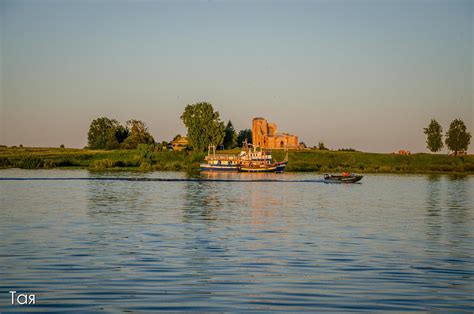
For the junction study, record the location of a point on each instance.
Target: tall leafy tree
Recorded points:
(230, 138)
(457, 137)
(138, 134)
(204, 125)
(243, 135)
(434, 136)
(102, 134)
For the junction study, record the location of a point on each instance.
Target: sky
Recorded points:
(369, 75)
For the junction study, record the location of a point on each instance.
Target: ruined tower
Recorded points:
(265, 135)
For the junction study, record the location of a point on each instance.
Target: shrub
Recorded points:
(5, 162)
(67, 163)
(145, 166)
(469, 167)
(145, 153)
(48, 163)
(103, 163)
(29, 163)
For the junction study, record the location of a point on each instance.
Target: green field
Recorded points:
(145, 159)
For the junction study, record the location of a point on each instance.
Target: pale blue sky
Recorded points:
(362, 74)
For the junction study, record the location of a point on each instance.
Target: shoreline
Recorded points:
(311, 161)
(136, 170)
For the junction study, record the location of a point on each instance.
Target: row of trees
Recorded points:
(205, 127)
(106, 133)
(457, 138)
(203, 124)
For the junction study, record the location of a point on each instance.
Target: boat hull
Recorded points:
(279, 167)
(342, 179)
(219, 168)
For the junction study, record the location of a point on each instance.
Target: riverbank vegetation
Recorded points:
(150, 158)
(112, 146)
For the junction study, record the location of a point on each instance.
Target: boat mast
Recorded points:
(213, 148)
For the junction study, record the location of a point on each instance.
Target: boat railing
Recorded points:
(221, 157)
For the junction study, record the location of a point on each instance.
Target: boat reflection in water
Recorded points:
(250, 159)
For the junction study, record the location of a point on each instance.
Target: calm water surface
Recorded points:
(400, 243)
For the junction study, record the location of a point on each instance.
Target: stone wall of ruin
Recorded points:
(265, 135)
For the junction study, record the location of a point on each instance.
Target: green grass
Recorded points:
(332, 161)
(300, 161)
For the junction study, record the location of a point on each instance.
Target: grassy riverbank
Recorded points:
(304, 161)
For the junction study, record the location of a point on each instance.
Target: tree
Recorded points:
(138, 134)
(121, 133)
(204, 125)
(163, 146)
(321, 146)
(230, 138)
(434, 136)
(102, 134)
(457, 137)
(245, 134)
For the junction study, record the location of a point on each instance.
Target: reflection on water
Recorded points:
(434, 207)
(400, 243)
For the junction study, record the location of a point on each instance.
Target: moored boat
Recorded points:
(220, 162)
(250, 159)
(350, 178)
(219, 167)
(255, 160)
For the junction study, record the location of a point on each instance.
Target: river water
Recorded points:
(392, 242)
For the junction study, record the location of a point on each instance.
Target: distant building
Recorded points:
(265, 135)
(404, 152)
(179, 143)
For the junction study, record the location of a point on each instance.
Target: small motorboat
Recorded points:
(347, 178)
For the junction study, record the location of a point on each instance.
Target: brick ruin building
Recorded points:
(265, 135)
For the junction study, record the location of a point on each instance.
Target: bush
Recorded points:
(67, 163)
(469, 167)
(103, 163)
(29, 163)
(145, 166)
(145, 153)
(5, 162)
(48, 163)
